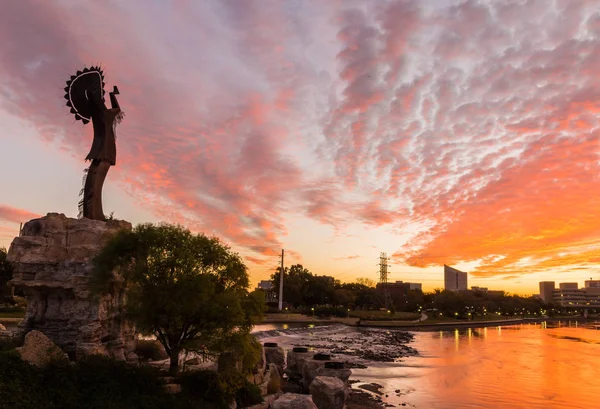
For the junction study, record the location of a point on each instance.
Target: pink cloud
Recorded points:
(14, 215)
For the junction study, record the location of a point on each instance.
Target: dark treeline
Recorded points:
(303, 290)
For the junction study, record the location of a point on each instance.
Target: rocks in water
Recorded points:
(275, 355)
(294, 401)
(370, 345)
(328, 392)
(52, 262)
(39, 350)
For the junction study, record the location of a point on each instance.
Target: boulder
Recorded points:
(309, 372)
(39, 350)
(314, 368)
(294, 401)
(2, 327)
(328, 392)
(172, 388)
(193, 361)
(52, 261)
(274, 382)
(275, 355)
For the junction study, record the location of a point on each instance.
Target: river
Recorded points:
(520, 366)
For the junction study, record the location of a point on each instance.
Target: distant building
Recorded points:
(570, 295)
(267, 287)
(546, 291)
(395, 290)
(480, 289)
(592, 283)
(454, 280)
(416, 286)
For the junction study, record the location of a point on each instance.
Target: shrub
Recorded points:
(10, 343)
(205, 385)
(11, 308)
(93, 383)
(248, 395)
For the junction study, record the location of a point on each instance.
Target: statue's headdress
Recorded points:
(80, 90)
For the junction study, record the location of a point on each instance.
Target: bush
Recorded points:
(11, 308)
(94, 383)
(326, 311)
(219, 389)
(150, 349)
(248, 395)
(205, 385)
(10, 343)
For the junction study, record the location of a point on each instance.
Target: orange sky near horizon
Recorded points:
(438, 131)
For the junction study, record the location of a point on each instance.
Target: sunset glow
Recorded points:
(440, 132)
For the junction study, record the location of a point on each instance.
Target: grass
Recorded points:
(14, 314)
(385, 316)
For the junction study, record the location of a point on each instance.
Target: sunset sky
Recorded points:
(456, 132)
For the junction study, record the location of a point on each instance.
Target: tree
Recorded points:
(185, 289)
(6, 272)
(367, 282)
(296, 282)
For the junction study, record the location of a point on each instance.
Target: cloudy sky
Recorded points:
(456, 132)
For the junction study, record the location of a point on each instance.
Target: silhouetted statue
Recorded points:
(85, 97)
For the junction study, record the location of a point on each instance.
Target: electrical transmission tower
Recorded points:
(383, 277)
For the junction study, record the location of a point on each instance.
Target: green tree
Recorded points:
(6, 272)
(296, 282)
(185, 289)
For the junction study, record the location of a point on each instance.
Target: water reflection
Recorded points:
(527, 366)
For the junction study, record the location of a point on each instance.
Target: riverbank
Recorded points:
(411, 325)
(441, 326)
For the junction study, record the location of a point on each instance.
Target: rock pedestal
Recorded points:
(296, 359)
(52, 264)
(275, 355)
(314, 368)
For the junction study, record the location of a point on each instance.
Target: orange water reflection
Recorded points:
(526, 366)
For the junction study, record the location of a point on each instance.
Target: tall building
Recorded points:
(454, 280)
(547, 291)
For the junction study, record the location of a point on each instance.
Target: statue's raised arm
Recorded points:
(85, 97)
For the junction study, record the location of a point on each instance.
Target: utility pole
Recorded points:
(383, 277)
(281, 283)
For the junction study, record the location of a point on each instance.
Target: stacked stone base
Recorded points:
(52, 262)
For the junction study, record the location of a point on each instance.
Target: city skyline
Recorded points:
(440, 132)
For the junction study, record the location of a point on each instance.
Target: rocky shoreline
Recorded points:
(366, 345)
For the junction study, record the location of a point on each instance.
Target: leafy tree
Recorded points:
(187, 290)
(367, 282)
(296, 282)
(6, 272)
